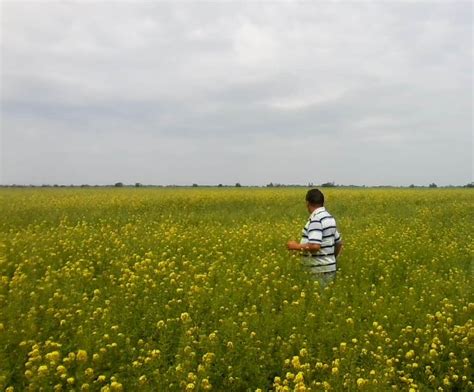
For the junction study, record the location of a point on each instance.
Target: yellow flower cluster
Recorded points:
(193, 290)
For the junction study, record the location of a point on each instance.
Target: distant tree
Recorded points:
(328, 184)
(412, 186)
(470, 185)
(137, 185)
(237, 185)
(220, 185)
(84, 186)
(433, 185)
(270, 185)
(195, 185)
(310, 185)
(118, 184)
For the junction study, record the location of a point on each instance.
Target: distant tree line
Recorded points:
(330, 184)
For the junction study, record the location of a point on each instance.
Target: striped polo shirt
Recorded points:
(321, 229)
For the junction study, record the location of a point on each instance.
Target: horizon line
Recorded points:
(235, 185)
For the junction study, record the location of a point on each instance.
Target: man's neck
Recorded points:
(313, 208)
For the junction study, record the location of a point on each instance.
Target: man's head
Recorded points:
(314, 199)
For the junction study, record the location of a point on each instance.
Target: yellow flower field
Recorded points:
(193, 290)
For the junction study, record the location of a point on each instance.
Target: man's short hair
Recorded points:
(315, 197)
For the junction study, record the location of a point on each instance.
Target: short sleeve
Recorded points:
(337, 237)
(315, 232)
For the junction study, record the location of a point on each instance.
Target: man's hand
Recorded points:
(293, 245)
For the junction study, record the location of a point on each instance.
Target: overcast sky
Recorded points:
(223, 92)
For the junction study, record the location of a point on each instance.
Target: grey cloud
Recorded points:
(207, 92)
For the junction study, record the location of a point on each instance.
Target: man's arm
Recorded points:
(314, 231)
(337, 244)
(293, 245)
(337, 248)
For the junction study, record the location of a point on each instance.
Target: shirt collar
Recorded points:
(318, 210)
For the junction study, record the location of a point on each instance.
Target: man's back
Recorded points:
(320, 242)
(321, 229)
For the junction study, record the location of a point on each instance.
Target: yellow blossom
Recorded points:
(81, 356)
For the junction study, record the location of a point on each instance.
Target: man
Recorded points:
(320, 242)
